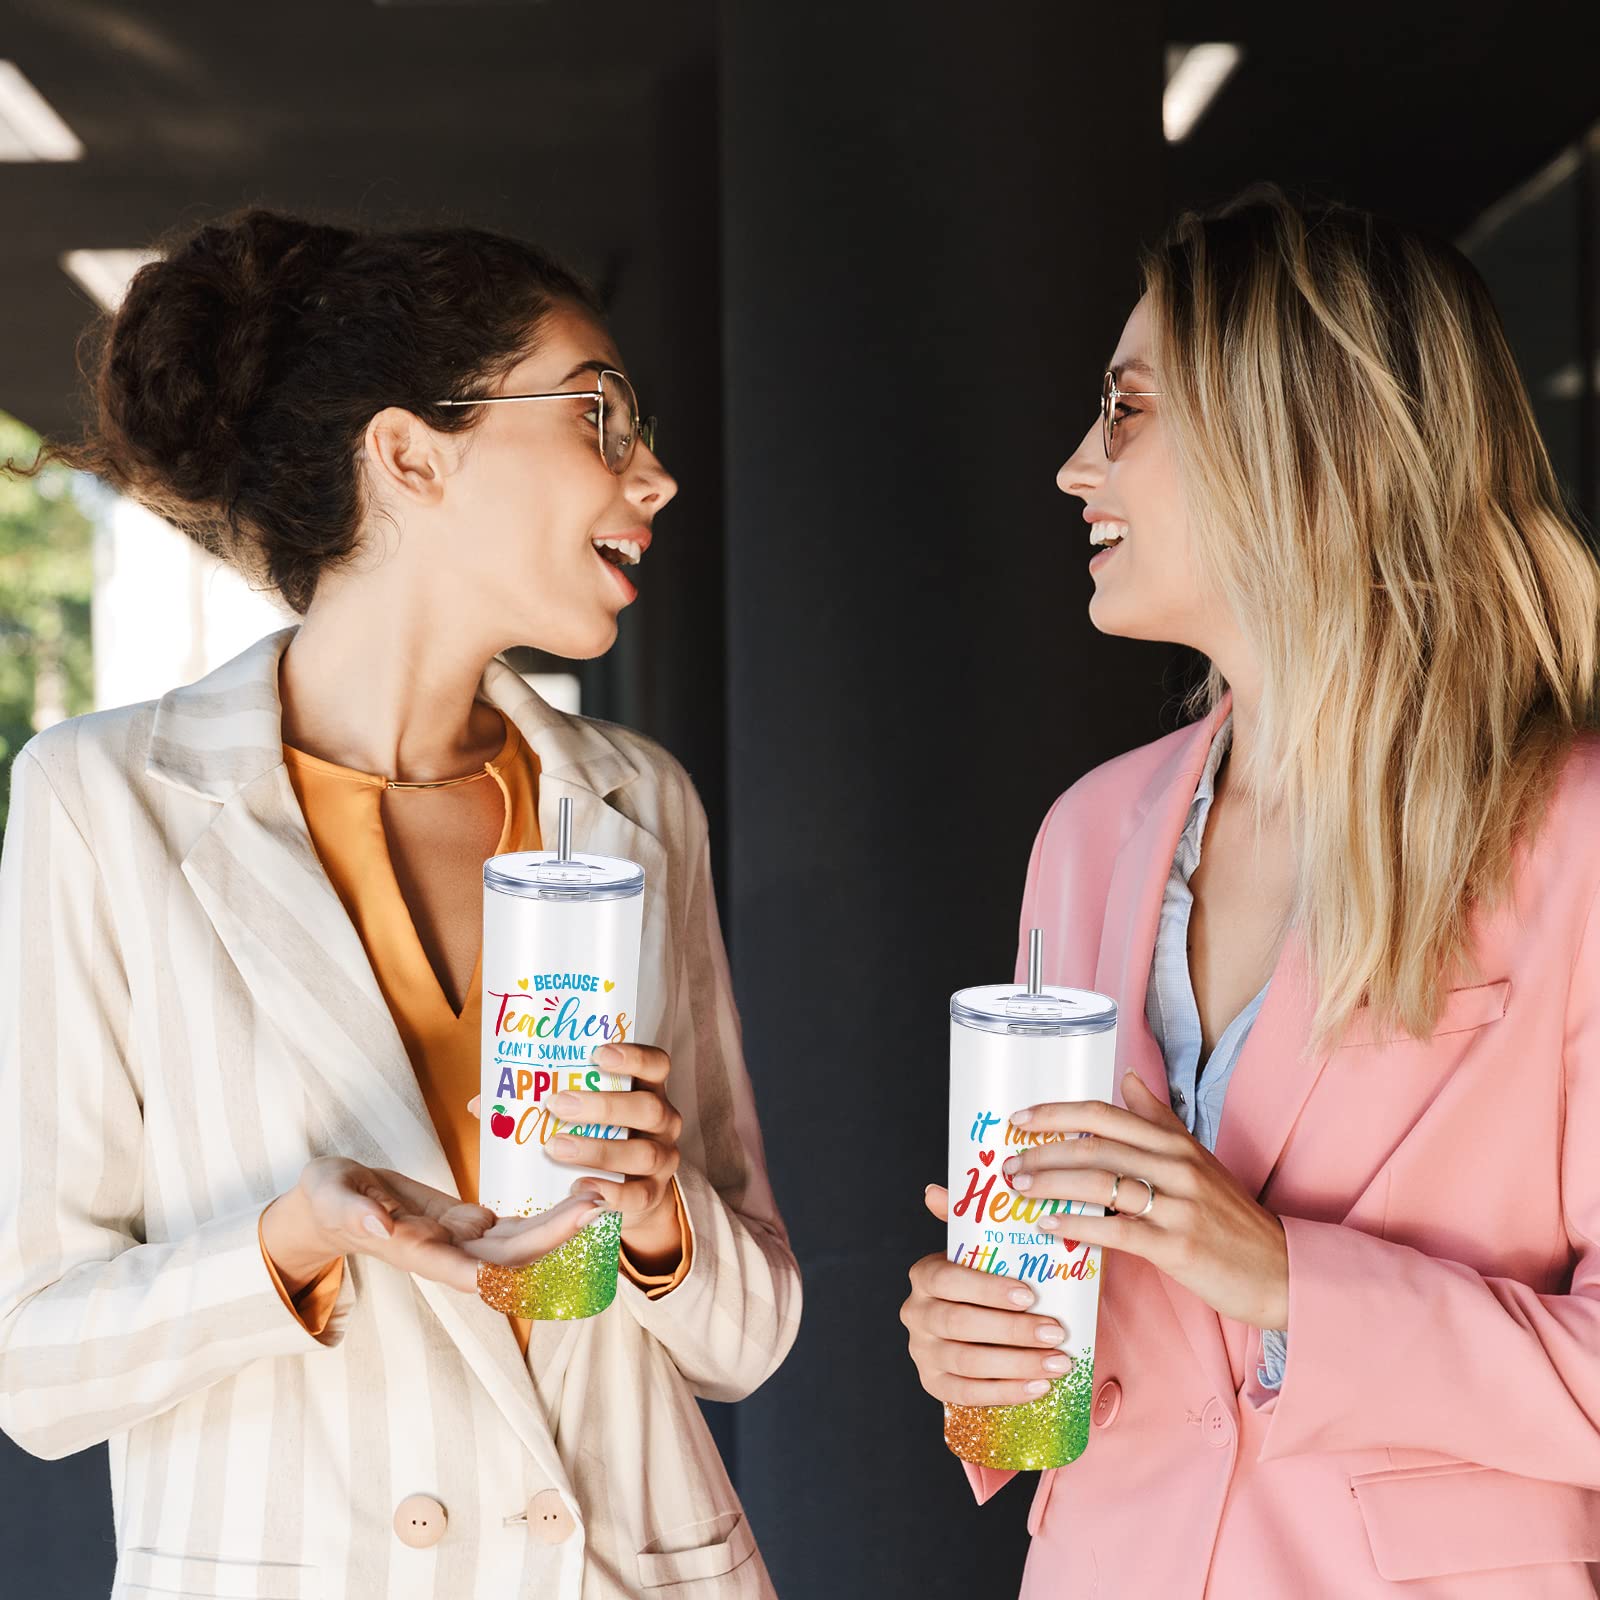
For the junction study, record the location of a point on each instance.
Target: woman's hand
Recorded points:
(340, 1207)
(645, 1160)
(972, 1341)
(1202, 1230)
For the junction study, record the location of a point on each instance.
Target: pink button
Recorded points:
(1107, 1403)
(1216, 1426)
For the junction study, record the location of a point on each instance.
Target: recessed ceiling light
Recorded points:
(29, 129)
(1566, 383)
(1194, 75)
(105, 273)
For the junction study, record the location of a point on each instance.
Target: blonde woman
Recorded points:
(240, 970)
(1349, 1330)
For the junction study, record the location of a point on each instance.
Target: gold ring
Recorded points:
(1150, 1196)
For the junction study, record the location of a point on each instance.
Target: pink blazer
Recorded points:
(1439, 1420)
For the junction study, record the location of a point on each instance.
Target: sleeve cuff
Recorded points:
(314, 1304)
(657, 1284)
(986, 1482)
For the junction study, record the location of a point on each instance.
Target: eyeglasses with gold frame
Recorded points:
(618, 425)
(1110, 394)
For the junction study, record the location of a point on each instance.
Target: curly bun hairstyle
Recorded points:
(232, 386)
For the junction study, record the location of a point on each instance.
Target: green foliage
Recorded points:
(46, 579)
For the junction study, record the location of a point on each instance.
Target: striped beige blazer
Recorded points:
(187, 1016)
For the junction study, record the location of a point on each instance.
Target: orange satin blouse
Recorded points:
(341, 807)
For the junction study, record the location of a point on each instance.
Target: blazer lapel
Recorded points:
(1133, 910)
(1133, 902)
(602, 830)
(1271, 1079)
(256, 874)
(578, 763)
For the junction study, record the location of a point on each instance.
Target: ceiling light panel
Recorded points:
(30, 130)
(1195, 74)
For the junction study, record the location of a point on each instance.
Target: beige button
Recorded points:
(549, 1521)
(419, 1521)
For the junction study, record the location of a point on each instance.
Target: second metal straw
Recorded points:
(1035, 960)
(564, 829)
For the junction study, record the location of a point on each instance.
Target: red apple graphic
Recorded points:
(500, 1124)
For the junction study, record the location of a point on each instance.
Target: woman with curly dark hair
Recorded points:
(240, 967)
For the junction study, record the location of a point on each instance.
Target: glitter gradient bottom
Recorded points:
(577, 1279)
(1047, 1432)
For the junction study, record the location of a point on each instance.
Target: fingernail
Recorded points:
(1018, 1118)
(372, 1225)
(562, 1145)
(1011, 1163)
(1056, 1363)
(607, 1055)
(1023, 1297)
(1051, 1334)
(1047, 1224)
(1038, 1386)
(562, 1101)
(1023, 1180)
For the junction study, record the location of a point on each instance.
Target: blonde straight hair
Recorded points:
(1370, 496)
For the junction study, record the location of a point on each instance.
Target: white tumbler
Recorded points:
(1012, 1047)
(560, 979)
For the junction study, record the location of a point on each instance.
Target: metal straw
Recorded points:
(1035, 960)
(564, 829)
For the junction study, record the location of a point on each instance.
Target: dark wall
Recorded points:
(665, 674)
(929, 244)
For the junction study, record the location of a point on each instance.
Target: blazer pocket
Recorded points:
(170, 1573)
(1424, 1522)
(698, 1550)
(1465, 1008)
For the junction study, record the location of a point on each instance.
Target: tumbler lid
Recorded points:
(1010, 1008)
(546, 875)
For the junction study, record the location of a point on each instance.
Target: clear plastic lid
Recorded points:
(1011, 1008)
(545, 875)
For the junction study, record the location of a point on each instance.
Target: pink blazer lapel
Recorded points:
(1133, 909)
(1133, 900)
(1270, 1082)
(1271, 1079)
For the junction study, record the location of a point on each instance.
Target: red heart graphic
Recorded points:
(986, 1156)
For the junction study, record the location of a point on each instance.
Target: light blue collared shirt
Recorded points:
(1174, 1018)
